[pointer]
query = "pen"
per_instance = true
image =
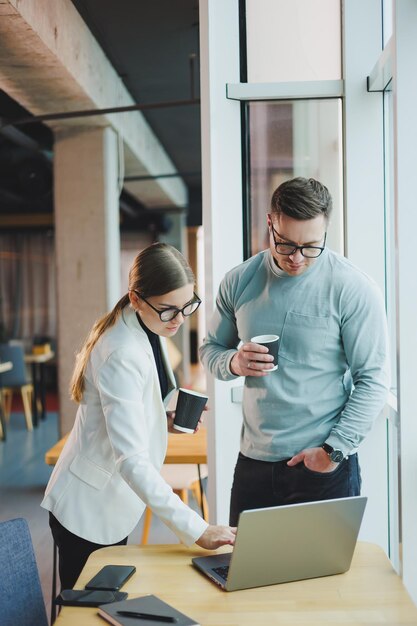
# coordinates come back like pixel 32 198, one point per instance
pixel 150 616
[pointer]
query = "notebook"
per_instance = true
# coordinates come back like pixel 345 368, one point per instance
pixel 146 604
pixel 287 543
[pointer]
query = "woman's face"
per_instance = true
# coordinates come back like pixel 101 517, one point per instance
pixel 173 299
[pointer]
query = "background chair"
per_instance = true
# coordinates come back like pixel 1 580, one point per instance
pixel 21 600
pixel 15 379
pixel 181 477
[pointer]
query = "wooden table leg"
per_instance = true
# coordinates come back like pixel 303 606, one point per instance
pixel 2 420
pixel 35 415
pixel 201 492
pixel 42 390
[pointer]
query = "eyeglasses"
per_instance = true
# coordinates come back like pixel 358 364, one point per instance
pixel 166 315
pixel 310 252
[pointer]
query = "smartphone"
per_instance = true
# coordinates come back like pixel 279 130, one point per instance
pixel 111 577
pixel 87 597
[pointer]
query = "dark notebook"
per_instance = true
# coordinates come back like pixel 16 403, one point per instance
pixel 146 604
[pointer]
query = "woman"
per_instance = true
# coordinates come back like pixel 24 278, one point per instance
pixel 108 471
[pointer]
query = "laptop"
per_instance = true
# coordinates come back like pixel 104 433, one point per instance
pixel 286 543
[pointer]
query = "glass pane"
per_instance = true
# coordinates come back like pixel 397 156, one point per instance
pixel 294 138
pixel 393 452
pixel 390 268
pixel 387 19
pixel 293 40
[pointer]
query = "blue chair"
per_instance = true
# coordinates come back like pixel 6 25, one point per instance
pixel 21 600
pixel 16 378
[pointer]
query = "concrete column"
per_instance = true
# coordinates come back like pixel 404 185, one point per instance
pixel 87 243
pixel 177 237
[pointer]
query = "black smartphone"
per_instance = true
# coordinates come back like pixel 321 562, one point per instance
pixel 111 577
pixel 88 597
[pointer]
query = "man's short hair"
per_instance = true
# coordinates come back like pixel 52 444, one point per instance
pixel 302 199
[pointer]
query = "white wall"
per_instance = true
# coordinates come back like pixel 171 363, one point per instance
pixel 222 219
pixel 364 224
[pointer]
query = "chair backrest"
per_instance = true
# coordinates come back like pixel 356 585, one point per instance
pixel 21 600
pixel 15 377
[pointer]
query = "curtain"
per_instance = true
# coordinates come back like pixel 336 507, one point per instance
pixel 27 286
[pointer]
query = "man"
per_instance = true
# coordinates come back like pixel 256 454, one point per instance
pixel 303 423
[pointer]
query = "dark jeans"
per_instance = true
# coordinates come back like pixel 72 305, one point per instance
pixel 258 484
pixel 73 552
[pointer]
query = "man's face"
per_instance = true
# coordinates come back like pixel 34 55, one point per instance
pixel 298 233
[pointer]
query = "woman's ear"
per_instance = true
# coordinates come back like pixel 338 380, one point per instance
pixel 134 300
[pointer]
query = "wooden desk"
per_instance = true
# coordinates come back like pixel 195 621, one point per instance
pixel 369 594
pixel 6 366
pixel 37 363
pixel 181 449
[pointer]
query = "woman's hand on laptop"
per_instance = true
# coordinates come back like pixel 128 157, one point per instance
pixel 215 536
pixel 315 459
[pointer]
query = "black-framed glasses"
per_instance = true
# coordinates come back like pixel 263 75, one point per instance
pixel 166 315
pixel 310 252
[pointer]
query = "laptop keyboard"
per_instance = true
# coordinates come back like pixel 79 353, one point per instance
pixel 222 571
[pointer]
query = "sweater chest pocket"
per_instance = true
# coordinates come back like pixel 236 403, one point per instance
pixel 303 338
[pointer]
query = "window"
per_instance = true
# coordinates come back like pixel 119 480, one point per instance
pixel 294 138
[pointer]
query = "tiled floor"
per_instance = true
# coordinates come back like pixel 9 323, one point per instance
pixel 23 477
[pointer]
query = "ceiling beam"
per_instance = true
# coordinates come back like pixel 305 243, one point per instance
pixel 50 61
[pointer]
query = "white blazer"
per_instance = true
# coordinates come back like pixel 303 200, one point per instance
pixel 109 468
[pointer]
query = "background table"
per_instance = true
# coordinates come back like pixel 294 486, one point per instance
pixel 181 449
pixel 190 449
pixel 370 594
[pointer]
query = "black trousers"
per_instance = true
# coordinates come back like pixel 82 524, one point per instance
pixel 73 552
pixel 258 484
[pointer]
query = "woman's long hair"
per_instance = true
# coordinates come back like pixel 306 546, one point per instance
pixel 156 270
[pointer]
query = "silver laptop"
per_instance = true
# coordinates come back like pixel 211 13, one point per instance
pixel 286 543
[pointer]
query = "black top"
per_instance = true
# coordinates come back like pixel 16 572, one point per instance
pixel 156 349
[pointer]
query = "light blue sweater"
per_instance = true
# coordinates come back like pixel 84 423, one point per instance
pixel 332 378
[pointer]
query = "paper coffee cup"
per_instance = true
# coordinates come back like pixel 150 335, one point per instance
pixel 270 342
pixel 190 405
